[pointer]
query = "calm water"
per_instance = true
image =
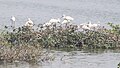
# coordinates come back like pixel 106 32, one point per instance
pixel 82 11
pixel 76 59
pixel 41 11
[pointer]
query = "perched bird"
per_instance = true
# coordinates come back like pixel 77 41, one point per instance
pixel 92 26
pixel 29 23
pixel 51 22
pixel 13 18
pixel 54 21
pixel 47 24
pixel 13 21
pixel 85 27
pixel 65 22
pixel 69 18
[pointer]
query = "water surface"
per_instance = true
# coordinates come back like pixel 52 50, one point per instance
pixel 41 11
pixel 76 59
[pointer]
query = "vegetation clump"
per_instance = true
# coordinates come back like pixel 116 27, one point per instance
pixel 27 43
pixel 20 44
pixel 62 36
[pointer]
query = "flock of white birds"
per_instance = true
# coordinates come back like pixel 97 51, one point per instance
pixel 65 20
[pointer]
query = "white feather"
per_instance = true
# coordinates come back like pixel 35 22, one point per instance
pixel 29 23
pixel 13 18
pixel 67 18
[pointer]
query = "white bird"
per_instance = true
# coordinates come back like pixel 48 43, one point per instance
pixel 85 27
pixel 47 24
pixel 93 26
pixel 29 23
pixel 97 25
pixel 54 21
pixel 51 22
pixel 13 20
pixel 65 22
pixel 69 18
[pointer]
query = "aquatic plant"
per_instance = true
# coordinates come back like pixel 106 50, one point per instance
pixel 115 28
pixel 114 32
pixel 61 36
pixel 27 42
pixel 21 44
pixel 118 65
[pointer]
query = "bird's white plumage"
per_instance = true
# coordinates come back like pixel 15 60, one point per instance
pixel 29 23
pixel 13 21
pixel 91 26
pixel 65 22
pixel 47 24
pixel 53 21
pixel 13 18
pixel 67 18
pixel 85 27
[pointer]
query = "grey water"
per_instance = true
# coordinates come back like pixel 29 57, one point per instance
pixel 40 11
pixel 76 59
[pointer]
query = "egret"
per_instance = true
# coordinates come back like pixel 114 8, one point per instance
pixel 65 22
pixel 93 26
pixel 98 24
pixel 54 21
pixel 85 27
pixel 29 23
pixel 13 20
pixel 66 19
pixel 69 18
pixel 47 24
